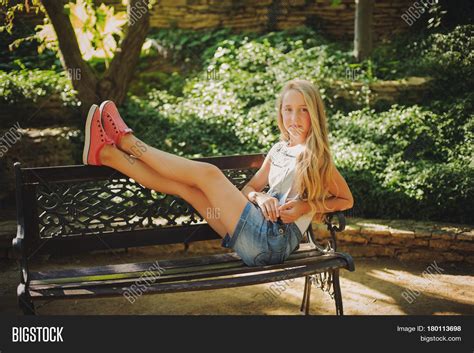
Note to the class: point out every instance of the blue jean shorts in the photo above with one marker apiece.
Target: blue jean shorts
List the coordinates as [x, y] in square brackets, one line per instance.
[259, 242]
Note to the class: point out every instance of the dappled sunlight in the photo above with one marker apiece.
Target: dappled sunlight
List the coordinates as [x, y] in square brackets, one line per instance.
[364, 294]
[433, 285]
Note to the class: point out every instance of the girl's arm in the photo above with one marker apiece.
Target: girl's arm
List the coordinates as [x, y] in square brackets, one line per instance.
[340, 200]
[258, 181]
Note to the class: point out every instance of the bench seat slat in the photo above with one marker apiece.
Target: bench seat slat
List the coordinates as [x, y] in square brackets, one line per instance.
[201, 272]
[197, 285]
[136, 269]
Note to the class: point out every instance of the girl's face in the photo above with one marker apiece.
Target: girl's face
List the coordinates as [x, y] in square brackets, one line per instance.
[296, 119]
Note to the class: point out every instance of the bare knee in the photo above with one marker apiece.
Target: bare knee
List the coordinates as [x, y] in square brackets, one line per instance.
[207, 172]
[210, 170]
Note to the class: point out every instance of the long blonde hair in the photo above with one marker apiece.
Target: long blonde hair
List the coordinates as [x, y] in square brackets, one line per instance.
[312, 182]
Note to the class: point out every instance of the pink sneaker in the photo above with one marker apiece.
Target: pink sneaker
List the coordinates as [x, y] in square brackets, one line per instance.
[95, 137]
[114, 125]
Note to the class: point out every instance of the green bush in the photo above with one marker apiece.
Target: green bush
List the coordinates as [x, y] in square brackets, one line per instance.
[181, 134]
[448, 57]
[412, 162]
[407, 162]
[28, 86]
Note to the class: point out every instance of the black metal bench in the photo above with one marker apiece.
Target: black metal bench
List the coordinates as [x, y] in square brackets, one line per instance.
[78, 208]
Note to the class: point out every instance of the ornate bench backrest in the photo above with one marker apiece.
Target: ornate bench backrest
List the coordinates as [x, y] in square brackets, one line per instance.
[81, 208]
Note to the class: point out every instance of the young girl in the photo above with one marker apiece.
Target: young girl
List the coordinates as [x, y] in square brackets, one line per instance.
[263, 228]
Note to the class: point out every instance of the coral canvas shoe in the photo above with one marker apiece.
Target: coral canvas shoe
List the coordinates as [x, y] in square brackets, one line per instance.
[95, 137]
[114, 125]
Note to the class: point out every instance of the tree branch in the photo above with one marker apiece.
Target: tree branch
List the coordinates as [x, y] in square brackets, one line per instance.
[116, 80]
[82, 77]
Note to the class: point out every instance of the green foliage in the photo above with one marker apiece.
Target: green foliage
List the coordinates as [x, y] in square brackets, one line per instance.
[413, 162]
[26, 55]
[407, 161]
[10, 8]
[187, 46]
[159, 123]
[28, 86]
[445, 56]
[97, 29]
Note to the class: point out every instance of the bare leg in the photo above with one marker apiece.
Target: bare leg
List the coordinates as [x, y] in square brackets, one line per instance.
[150, 178]
[227, 201]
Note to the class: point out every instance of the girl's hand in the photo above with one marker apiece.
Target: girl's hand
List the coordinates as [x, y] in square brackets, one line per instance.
[268, 205]
[291, 211]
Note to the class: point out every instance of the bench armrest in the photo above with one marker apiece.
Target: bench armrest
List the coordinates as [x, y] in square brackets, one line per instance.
[332, 227]
[18, 243]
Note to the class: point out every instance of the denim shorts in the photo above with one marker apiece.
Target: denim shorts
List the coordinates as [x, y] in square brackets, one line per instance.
[259, 242]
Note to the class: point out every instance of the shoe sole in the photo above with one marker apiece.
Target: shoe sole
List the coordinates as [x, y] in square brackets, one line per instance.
[102, 105]
[87, 140]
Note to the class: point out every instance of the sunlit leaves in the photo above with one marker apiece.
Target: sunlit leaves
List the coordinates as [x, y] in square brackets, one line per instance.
[97, 29]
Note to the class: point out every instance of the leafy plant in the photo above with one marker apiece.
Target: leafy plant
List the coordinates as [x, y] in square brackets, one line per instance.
[98, 30]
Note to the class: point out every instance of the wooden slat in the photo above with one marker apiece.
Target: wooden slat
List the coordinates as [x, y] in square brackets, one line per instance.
[207, 284]
[210, 271]
[183, 263]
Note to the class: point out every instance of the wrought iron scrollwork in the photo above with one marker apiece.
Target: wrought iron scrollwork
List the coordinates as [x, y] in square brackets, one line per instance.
[324, 281]
[114, 205]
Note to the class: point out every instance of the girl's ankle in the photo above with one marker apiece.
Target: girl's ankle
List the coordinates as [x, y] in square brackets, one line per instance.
[126, 142]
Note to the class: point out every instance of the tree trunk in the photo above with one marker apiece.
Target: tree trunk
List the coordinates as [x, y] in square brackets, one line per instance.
[117, 79]
[363, 29]
[82, 77]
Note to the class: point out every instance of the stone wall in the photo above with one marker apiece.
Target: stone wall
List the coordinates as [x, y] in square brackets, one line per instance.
[409, 90]
[335, 21]
[404, 239]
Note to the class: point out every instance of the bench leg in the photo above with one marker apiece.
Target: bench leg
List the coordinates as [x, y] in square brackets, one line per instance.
[306, 296]
[303, 301]
[337, 293]
[24, 301]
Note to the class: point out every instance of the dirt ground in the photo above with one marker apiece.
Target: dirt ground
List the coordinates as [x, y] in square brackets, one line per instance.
[379, 286]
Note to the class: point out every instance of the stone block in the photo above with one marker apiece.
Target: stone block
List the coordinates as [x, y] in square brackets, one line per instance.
[440, 244]
[401, 233]
[463, 246]
[375, 229]
[443, 234]
[417, 242]
[453, 256]
[466, 236]
[367, 250]
[380, 239]
[349, 238]
[351, 229]
[424, 256]
[422, 232]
